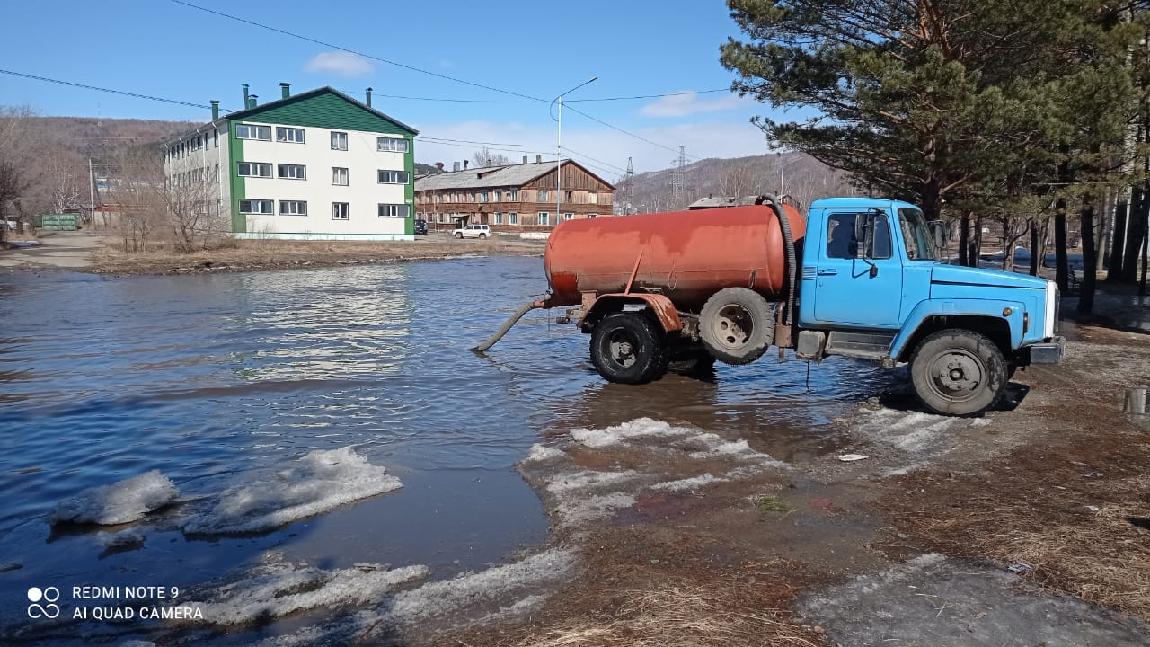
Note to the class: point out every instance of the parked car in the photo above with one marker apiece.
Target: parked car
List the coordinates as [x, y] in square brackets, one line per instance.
[420, 227]
[473, 231]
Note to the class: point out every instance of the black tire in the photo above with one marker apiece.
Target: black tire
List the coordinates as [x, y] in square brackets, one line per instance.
[459, 236]
[628, 348]
[482, 236]
[958, 372]
[737, 325]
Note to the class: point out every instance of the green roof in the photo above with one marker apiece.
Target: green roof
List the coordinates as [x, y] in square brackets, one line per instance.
[328, 108]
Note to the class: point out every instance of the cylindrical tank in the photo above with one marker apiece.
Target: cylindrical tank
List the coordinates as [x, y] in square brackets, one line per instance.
[684, 255]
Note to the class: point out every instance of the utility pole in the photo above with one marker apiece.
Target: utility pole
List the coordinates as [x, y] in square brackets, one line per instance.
[628, 187]
[91, 191]
[559, 149]
[679, 180]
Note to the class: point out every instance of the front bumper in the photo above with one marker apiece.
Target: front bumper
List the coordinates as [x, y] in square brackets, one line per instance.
[1045, 353]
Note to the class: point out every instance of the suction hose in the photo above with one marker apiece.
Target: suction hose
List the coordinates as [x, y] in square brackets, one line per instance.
[789, 250]
[507, 325]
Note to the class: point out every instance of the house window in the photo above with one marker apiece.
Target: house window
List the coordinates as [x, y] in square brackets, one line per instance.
[340, 211]
[292, 172]
[498, 218]
[338, 141]
[254, 169]
[543, 219]
[499, 196]
[568, 216]
[293, 207]
[392, 177]
[513, 218]
[391, 144]
[592, 197]
[248, 131]
[215, 138]
[289, 135]
[513, 195]
[262, 207]
[544, 196]
[339, 176]
[393, 211]
[592, 215]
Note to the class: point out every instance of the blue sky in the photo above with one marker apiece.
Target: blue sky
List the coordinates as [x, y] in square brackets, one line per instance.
[539, 49]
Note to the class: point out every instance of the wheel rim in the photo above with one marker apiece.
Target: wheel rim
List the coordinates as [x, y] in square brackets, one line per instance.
[957, 375]
[623, 348]
[733, 326]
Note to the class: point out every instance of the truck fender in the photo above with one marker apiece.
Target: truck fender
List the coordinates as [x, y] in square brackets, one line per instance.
[927, 314]
[662, 307]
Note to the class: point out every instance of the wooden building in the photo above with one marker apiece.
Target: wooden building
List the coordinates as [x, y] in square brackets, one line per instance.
[512, 197]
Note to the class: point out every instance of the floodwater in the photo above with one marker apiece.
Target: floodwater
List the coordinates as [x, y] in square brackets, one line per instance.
[209, 378]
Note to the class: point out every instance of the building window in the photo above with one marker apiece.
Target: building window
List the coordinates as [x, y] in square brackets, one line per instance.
[248, 131]
[568, 216]
[543, 219]
[592, 215]
[261, 207]
[498, 196]
[340, 211]
[592, 197]
[254, 169]
[498, 218]
[215, 138]
[339, 176]
[292, 172]
[393, 210]
[544, 196]
[483, 196]
[338, 141]
[513, 218]
[293, 207]
[391, 144]
[513, 195]
[392, 177]
[289, 135]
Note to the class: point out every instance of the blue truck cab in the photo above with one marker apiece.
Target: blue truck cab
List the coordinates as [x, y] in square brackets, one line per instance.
[873, 287]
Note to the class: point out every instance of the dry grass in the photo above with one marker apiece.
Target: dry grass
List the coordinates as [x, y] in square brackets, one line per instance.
[1061, 511]
[678, 615]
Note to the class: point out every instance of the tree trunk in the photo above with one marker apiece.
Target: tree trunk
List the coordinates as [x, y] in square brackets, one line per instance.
[931, 200]
[975, 242]
[1089, 261]
[1061, 273]
[1035, 247]
[1102, 244]
[964, 239]
[1135, 230]
[1118, 239]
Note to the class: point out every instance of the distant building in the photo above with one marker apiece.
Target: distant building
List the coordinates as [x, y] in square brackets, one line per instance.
[315, 165]
[512, 197]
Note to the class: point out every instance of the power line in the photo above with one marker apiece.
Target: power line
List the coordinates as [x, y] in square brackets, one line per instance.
[433, 99]
[317, 41]
[625, 132]
[97, 88]
[608, 164]
[647, 96]
[468, 141]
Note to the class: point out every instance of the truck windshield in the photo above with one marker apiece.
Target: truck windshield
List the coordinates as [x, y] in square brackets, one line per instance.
[919, 241]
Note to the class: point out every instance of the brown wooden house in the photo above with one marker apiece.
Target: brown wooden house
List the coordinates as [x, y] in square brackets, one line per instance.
[512, 197]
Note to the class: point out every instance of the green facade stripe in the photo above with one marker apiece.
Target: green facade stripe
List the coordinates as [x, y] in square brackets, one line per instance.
[236, 154]
[329, 111]
[409, 188]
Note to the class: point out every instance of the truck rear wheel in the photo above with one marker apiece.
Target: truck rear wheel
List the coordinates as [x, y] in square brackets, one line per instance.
[958, 372]
[628, 348]
[737, 325]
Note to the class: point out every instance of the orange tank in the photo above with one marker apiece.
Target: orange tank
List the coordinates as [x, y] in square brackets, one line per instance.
[684, 255]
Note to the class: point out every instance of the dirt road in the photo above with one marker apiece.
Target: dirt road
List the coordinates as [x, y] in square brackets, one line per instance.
[1024, 527]
[57, 250]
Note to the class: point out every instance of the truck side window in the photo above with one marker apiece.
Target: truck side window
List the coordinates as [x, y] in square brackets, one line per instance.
[841, 241]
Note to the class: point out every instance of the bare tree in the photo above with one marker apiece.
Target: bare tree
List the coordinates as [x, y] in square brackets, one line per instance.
[737, 182]
[484, 157]
[15, 152]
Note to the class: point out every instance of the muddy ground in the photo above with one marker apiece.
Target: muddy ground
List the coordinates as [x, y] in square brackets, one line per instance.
[1024, 527]
[95, 252]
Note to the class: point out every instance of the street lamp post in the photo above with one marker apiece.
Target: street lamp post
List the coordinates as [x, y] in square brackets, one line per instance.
[559, 148]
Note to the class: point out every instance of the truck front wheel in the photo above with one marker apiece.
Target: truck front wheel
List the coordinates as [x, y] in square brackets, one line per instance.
[737, 325]
[628, 348]
[958, 372]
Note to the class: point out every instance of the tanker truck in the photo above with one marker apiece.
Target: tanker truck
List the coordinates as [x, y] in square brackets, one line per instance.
[856, 277]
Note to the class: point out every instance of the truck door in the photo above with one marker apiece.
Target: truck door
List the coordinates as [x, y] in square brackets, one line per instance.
[857, 286]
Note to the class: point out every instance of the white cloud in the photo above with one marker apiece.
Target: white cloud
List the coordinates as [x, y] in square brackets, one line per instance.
[340, 63]
[729, 138]
[689, 103]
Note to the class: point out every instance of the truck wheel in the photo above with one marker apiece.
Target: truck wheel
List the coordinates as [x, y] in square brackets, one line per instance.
[459, 236]
[958, 372]
[737, 325]
[628, 348]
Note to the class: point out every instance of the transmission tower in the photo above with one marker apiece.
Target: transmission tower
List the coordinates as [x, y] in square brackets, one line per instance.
[629, 188]
[679, 180]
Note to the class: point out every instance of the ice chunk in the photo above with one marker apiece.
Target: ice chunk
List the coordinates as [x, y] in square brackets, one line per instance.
[277, 588]
[688, 484]
[582, 480]
[577, 510]
[122, 502]
[642, 428]
[320, 481]
[540, 453]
